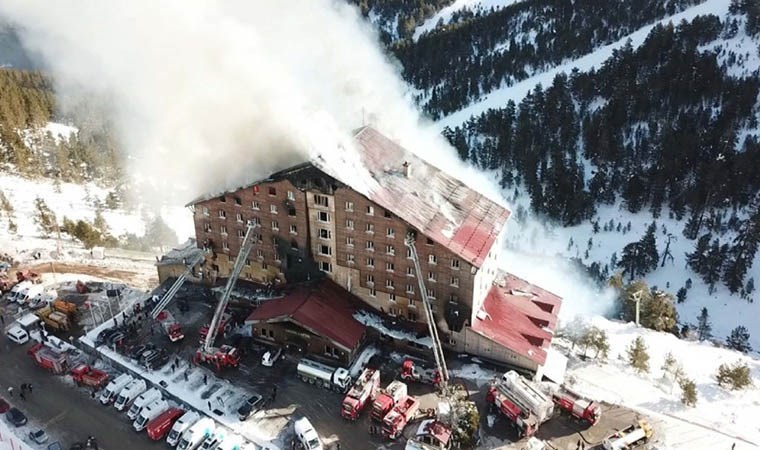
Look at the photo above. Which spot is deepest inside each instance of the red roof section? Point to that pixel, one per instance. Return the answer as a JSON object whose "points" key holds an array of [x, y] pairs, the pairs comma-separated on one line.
{"points": [[309, 307], [434, 202], [519, 316]]}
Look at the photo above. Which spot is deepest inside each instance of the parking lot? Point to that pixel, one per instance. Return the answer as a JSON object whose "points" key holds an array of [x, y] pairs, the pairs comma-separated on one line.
{"points": [[295, 398]]}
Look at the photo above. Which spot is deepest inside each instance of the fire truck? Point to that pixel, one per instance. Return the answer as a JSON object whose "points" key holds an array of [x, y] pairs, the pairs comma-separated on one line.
{"points": [[396, 420], [171, 327], [522, 419], [224, 327], [85, 375], [427, 375], [225, 356], [521, 402], [361, 394], [48, 358], [388, 398], [528, 394], [579, 407], [629, 437]]}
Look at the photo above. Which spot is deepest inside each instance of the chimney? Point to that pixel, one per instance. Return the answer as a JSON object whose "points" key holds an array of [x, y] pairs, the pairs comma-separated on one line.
{"points": [[407, 169]]}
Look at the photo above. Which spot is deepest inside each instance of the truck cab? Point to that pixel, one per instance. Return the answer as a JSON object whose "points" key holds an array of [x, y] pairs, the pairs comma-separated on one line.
{"points": [[307, 435], [114, 388]]}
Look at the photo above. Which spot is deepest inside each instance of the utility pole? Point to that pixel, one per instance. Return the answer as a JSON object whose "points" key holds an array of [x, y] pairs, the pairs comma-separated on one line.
{"points": [[637, 299]]}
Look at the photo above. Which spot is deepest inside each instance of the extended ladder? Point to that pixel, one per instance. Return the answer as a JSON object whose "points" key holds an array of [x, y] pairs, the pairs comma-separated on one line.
{"points": [[169, 295], [245, 249]]}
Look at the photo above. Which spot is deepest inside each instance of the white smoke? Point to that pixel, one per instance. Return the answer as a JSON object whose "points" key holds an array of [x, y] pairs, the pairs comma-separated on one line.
{"points": [[211, 95]]}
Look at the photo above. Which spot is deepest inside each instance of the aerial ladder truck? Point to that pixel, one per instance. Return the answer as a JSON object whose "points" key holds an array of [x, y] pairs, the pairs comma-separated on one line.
{"points": [[169, 295], [446, 418], [226, 355]]}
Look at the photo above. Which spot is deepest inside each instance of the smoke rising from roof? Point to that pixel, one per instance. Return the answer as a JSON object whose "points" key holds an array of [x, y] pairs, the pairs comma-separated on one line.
{"points": [[207, 96]]}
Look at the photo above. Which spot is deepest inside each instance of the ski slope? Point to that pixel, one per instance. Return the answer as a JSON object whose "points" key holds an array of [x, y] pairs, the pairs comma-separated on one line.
{"points": [[500, 97]]}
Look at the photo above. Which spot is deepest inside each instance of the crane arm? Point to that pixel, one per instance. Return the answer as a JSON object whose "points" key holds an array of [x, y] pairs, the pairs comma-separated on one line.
{"points": [[245, 249], [440, 360], [169, 295]]}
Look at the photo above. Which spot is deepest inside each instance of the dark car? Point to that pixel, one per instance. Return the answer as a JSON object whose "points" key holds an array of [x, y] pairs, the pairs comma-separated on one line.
{"points": [[4, 406], [117, 338], [157, 361], [138, 350], [16, 417], [105, 336], [251, 405]]}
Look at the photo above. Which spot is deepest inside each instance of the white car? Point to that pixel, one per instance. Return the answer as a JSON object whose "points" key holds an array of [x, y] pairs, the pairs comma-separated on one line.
{"points": [[307, 434], [271, 356], [17, 335]]}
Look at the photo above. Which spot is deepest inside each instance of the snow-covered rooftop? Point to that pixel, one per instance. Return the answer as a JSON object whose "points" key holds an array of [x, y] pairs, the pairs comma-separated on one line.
{"points": [[183, 254]]}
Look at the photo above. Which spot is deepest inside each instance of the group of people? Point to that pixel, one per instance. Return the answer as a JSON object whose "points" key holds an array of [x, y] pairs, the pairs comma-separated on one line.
{"points": [[25, 387]]}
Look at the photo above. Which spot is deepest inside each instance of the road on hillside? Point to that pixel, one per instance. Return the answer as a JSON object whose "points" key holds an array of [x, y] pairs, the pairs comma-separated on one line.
{"points": [[65, 411]]}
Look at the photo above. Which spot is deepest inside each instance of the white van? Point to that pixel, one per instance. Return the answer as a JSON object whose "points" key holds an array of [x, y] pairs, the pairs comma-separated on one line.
{"points": [[148, 413], [195, 435], [33, 291], [212, 442], [129, 394], [45, 298], [17, 335], [147, 397], [307, 434], [114, 387], [233, 442], [19, 290], [183, 423]]}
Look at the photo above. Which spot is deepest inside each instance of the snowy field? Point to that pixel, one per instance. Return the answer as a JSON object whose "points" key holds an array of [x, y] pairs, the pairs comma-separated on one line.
{"points": [[444, 15]]}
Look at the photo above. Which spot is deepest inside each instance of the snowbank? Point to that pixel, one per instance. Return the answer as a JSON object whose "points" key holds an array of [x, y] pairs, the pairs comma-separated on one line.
{"points": [[376, 322]]}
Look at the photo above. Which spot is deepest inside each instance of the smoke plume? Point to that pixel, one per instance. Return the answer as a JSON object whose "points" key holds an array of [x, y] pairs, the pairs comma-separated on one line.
{"points": [[210, 95]]}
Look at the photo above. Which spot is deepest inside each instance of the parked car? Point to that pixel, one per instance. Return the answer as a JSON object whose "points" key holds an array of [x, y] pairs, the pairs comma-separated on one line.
{"points": [[39, 436], [138, 350], [4, 406], [271, 356], [157, 361], [250, 406], [105, 336], [16, 417], [17, 335], [54, 446]]}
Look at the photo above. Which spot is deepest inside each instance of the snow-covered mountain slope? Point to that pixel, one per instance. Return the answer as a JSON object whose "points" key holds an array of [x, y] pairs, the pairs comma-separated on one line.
{"points": [[498, 98], [444, 15]]}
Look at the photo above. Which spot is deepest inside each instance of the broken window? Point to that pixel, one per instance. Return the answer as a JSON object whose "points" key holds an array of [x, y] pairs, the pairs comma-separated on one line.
{"points": [[291, 211], [293, 245], [238, 202], [324, 233], [325, 266], [272, 190], [325, 250], [222, 199], [324, 216], [387, 214], [429, 241], [453, 298], [248, 262], [350, 259], [321, 200]]}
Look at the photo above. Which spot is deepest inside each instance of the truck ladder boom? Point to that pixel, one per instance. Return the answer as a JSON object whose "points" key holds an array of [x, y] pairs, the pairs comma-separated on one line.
{"points": [[245, 249], [440, 360], [169, 295]]}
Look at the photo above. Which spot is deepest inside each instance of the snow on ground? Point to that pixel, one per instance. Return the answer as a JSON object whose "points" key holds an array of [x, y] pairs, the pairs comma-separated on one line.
{"points": [[373, 321], [10, 439], [445, 13], [499, 97], [57, 131], [723, 411]]}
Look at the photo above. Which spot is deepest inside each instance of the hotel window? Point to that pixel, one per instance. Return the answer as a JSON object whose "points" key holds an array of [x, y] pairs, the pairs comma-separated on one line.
{"points": [[410, 272], [207, 227], [455, 281], [392, 297], [291, 211], [349, 206], [429, 241], [410, 289], [370, 228], [275, 225], [431, 293], [412, 303], [260, 253], [409, 253], [256, 221], [293, 229], [389, 284], [349, 241], [223, 229], [350, 259], [272, 191], [432, 259], [453, 298], [389, 266], [324, 233], [291, 196], [321, 200], [225, 245], [370, 210], [273, 209], [350, 224], [432, 277], [239, 217], [205, 211], [372, 292], [370, 279], [325, 266], [241, 234], [370, 246], [238, 202], [390, 232], [222, 214], [370, 261], [455, 264], [223, 199], [387, 214], [389, 249], [324, 217], [325, 250], [255, 205]]}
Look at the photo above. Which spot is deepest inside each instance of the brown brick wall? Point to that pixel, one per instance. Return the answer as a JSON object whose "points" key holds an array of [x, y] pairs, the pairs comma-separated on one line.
{"points": [[284, 333]]}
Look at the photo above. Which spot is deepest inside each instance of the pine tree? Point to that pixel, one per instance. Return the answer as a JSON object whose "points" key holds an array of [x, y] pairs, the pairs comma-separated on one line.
{"points": [[658, 312], [671, 368], [688, 391], [704, 327], [739, 339], [681, 295], [597, 339], [638, 357], [735, 376], [697, 259], [158, 233], [44, 217]]}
